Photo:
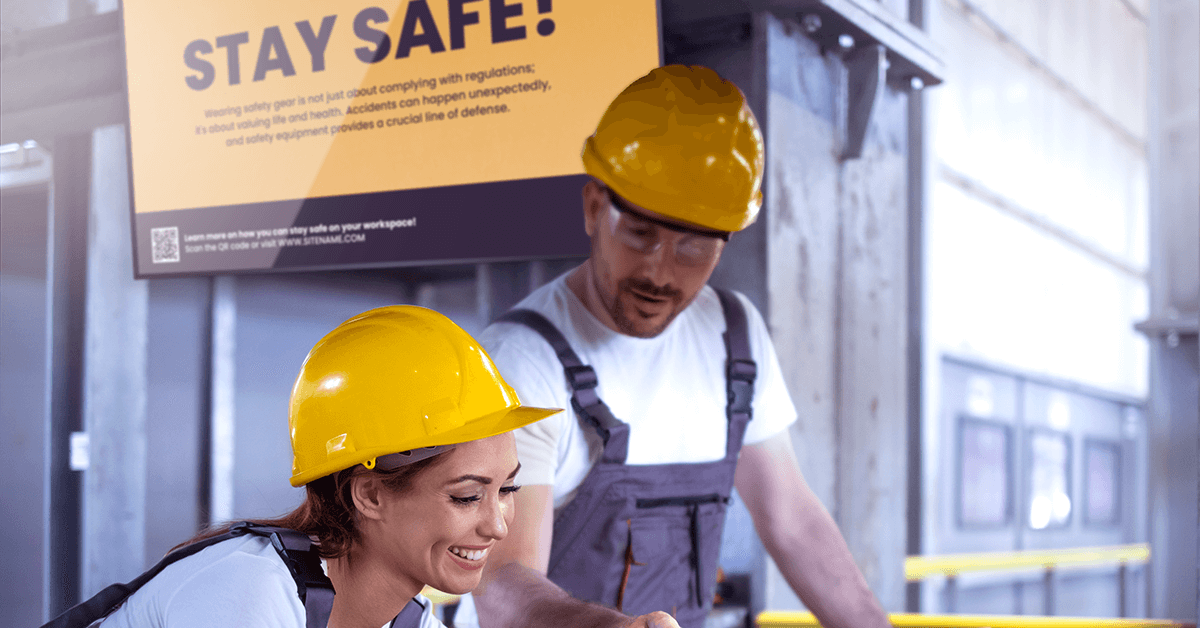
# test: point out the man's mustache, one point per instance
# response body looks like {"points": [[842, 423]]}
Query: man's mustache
{"points": [[645, 287]]}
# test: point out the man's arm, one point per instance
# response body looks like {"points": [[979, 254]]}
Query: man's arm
{"points": [[803, 538], [515, 592]]}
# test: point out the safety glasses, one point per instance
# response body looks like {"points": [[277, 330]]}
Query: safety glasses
{"points": [[642, 234]]}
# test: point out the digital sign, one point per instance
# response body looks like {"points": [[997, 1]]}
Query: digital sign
{"points": [[270, 135]]}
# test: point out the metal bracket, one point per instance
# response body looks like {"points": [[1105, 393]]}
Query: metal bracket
{"points": [[876, 49], [914, 61], [865, 73], [1172, 327]]}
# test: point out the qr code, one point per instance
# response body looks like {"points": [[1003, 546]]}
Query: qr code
{"points": [[165, 244]]}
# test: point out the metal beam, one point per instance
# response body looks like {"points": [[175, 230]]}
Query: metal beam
{"points": [[86, 56], [910, 52], [66, 118], [222, 404], [66, 272]]}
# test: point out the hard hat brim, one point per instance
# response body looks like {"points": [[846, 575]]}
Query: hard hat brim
{"points": [[486, 426], [498, 423]]}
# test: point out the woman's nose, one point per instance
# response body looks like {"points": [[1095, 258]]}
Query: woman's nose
{"points": [[495, 518]]}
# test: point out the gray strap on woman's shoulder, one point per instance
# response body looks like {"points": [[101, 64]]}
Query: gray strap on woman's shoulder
{"points": [[409, 616]]}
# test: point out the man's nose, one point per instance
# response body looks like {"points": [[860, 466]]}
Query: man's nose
{"points": [[660, 263]]}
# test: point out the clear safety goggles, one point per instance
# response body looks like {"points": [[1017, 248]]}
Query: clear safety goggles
{"points": [[643, 234]]}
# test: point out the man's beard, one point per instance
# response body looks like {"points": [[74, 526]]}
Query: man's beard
{"points": [[629, 325]]}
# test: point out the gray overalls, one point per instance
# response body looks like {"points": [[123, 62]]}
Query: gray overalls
{"points": [[644, 538]]}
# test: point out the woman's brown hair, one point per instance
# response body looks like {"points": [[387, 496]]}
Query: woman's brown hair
{"points": [[328, 509]]}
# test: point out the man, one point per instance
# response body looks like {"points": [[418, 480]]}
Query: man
{"points": [[675, 390]]}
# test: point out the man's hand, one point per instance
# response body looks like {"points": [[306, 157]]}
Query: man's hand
{"points": [[515, 592], [515, 596]]}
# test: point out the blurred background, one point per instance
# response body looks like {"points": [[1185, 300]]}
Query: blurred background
{"points": [[978, 258]]}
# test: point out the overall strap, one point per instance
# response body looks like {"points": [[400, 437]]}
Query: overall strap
{"points": [[409, 616], [315, 584], [107, 600], [304, 562], [583, 381], [740, 371]]}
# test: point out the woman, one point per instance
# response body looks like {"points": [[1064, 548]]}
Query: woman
{"points": [[400, 429]]}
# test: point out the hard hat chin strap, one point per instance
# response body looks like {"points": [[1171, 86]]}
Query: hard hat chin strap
{"points": [[400, 459]]}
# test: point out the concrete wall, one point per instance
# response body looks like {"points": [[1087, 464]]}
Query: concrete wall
{"points": [[837, 269]]}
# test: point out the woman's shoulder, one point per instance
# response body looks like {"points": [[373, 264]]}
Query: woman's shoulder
{"points": [[248, 554], [240, 581]]}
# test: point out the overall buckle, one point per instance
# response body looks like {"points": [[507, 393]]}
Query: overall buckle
{"points": [[741, 370], [581, 377]]}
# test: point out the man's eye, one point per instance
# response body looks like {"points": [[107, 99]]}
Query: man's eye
{"points": [[464, 500]]}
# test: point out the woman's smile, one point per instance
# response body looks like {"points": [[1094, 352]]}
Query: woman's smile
{"points": [[468, 559]]}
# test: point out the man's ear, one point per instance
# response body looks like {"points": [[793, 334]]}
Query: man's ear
{"points": [[595, 200], [366, 490]]}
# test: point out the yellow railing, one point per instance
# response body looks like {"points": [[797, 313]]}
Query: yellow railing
{"points": [[921, 567], [917, 568], [1049, 562], [794, 619], [438, 597]]}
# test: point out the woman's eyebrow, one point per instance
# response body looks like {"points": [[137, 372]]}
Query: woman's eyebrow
{"points": [[470, 478], [479, 478]]}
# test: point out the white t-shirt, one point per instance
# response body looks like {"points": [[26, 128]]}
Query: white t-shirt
{"points": [[241, 582], [670, 389]]}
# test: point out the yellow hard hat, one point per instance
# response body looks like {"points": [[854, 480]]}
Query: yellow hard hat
{"points": [[395, 379], [682, 142]]}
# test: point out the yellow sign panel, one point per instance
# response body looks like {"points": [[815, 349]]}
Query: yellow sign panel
{"points": [[268, 135], [264, 100]]}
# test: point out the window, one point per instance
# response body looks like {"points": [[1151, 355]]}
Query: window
{"points": [[984, 495], [1102, 477], [1050, 479]]}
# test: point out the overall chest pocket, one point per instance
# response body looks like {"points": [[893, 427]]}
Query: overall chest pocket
{"points": [[670, 562]]}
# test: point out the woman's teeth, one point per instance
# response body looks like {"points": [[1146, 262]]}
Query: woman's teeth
{"points": [[468, 554]]}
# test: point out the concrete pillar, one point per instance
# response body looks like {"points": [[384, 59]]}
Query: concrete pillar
{"points": [[804, 246], [1173, 430], [837, 280], [24, 376], [872, 362], [114, 391], [67, 285]]}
